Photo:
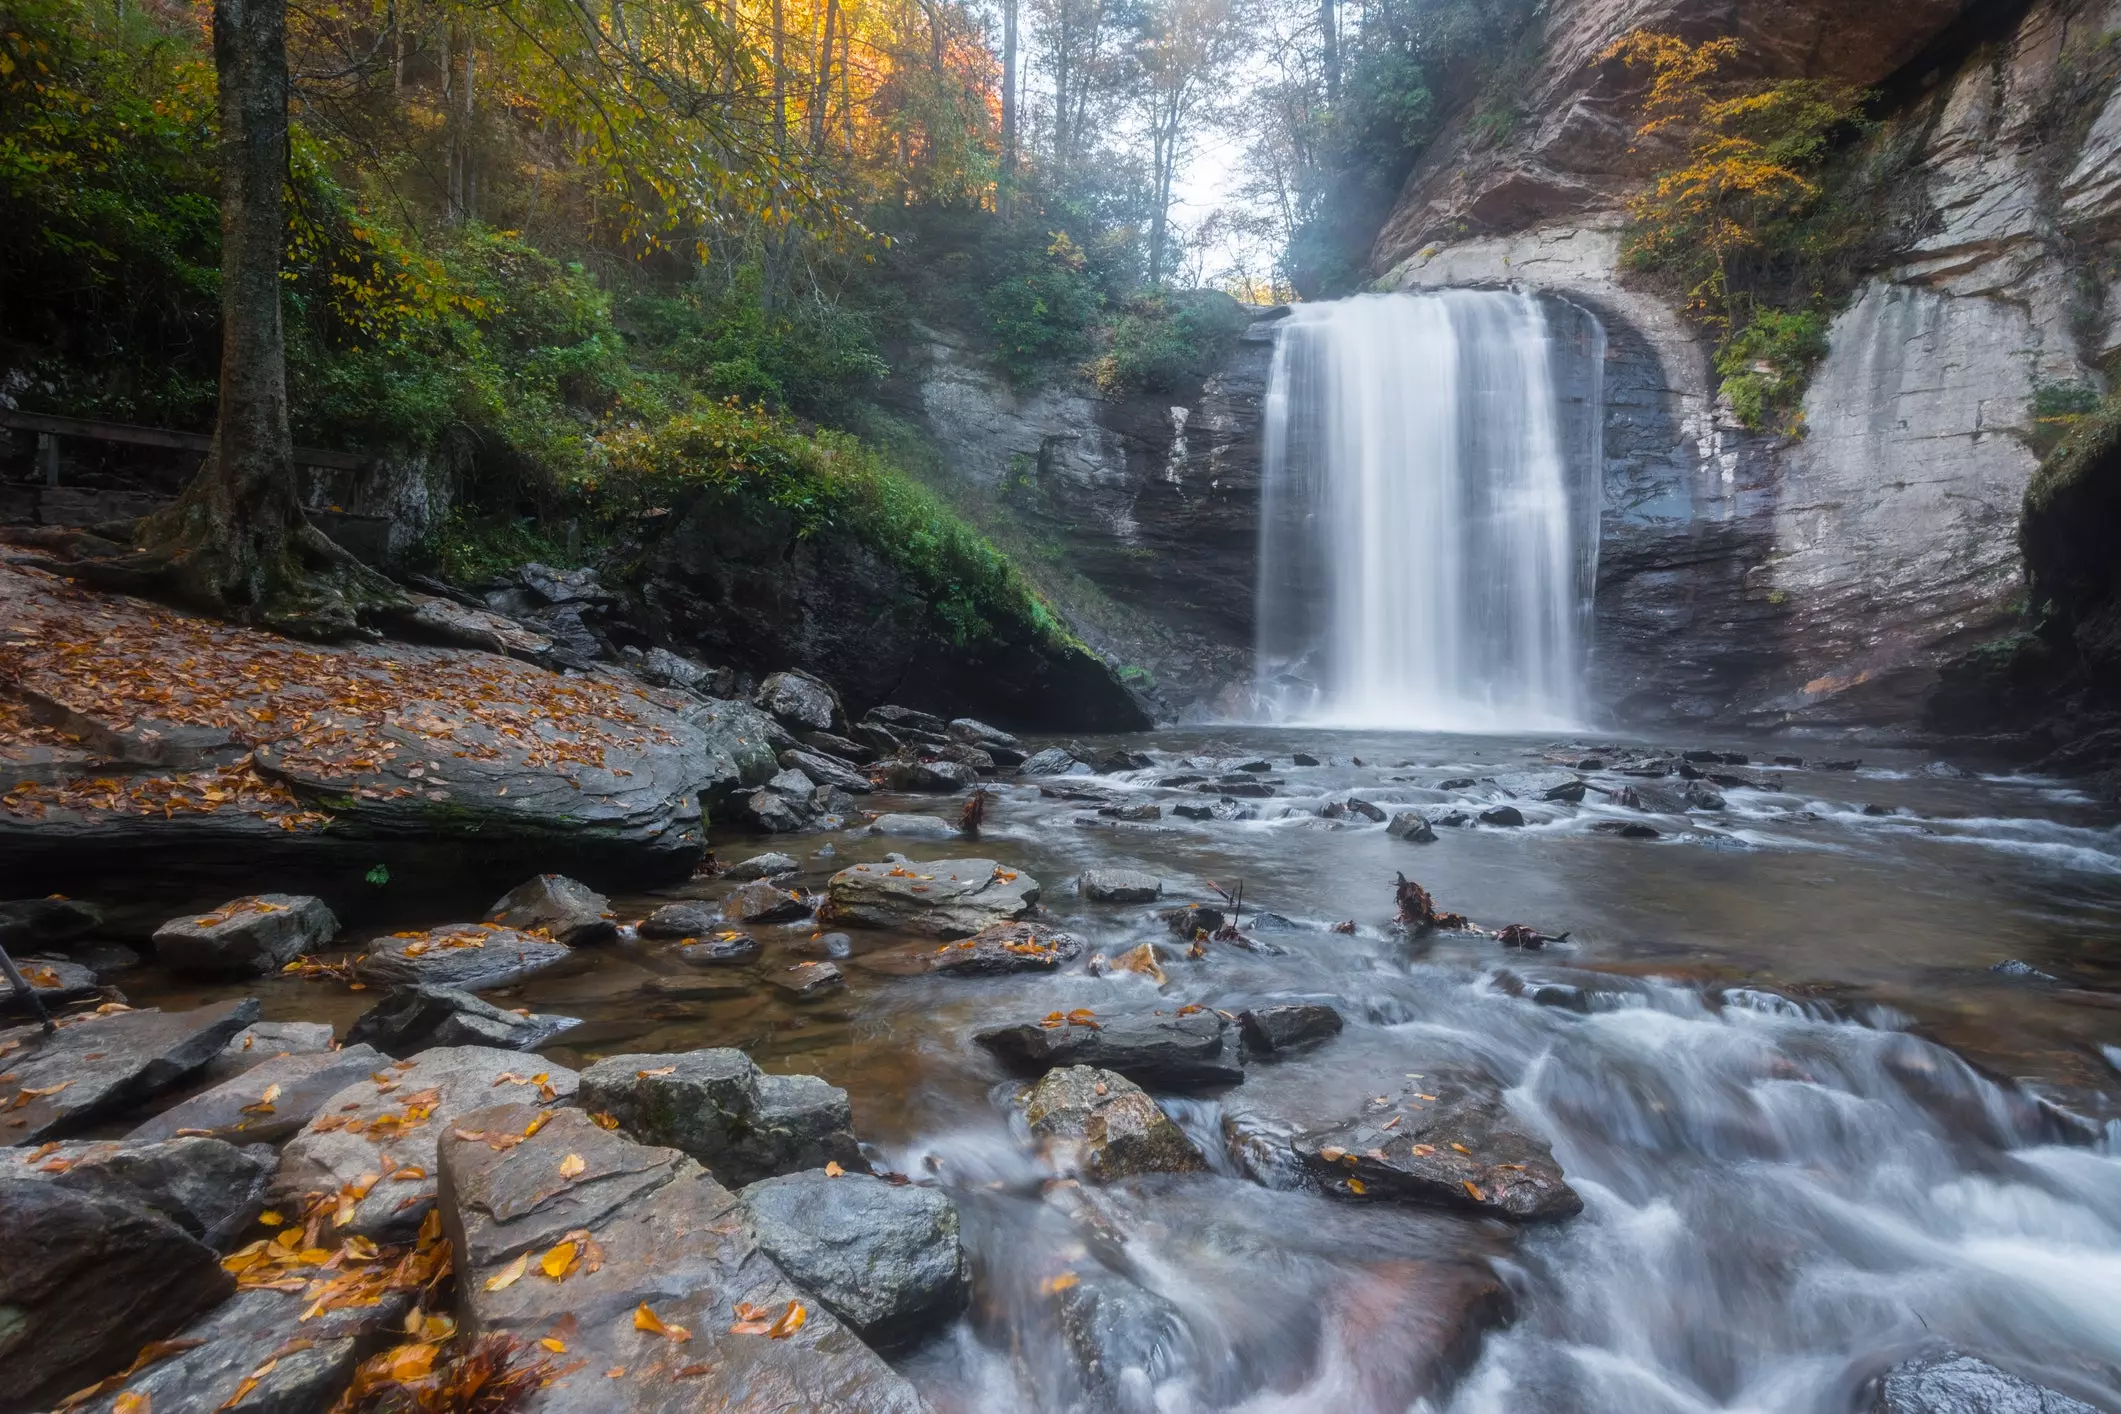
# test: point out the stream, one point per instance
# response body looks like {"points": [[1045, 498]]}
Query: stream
{"points": [[1814, 1131]]}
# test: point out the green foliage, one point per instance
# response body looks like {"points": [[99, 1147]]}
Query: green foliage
{"points": [[470, 548], [1043, 307], [1766, 364], [808, 354], [830, 483], [1160, 342]]}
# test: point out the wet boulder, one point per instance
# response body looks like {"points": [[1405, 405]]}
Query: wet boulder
{"points": [[884, 1257], [1502, 815], [305, 1363], [1625, 829], [1453, 1146], [32, 924], [1102, 1124], [469, 956], [87, 1280], [571, 912], [1195, 919], [823, 770], [415, 1018], [1701, 797], [807, 981], [727, 949], [840, 748], [783, 805], [763, 902], [1951, 1382], [97, 1067], [208, 1187], [771, 865], [246, 936], [799, 702], [908, 721], [1290, 1027], [1119, 886], [721, 1109], [1191, 1049], [1411, 826], [659, 1262], [1053, 761], [1123, 1337], [944, 898], [52, 980], [267, 1102], [1007, 947], [261, 1041], [399, 1113], [933, 777], [916, 827], [689, 919]]}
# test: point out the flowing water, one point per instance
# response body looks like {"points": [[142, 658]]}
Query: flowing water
{"points": [[1814, 1132], [1429, 531]]}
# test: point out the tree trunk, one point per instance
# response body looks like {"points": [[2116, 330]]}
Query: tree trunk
{"points": [[822, 102], [1008, 104], [1329, 46], [780, 77], [1065, 21]]}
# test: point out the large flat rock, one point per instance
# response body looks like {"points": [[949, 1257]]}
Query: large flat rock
{"points": [[884, 1256], [717, 1106], [97, 1066], [646, 1228], [268, 1102], [1193, 1050], [943, 898], [398, 1115], [252, 935], [208, 1187], [466, 956]]}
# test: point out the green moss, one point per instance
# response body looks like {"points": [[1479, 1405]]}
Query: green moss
{"points": [[1765, 366], [2072, 509]]}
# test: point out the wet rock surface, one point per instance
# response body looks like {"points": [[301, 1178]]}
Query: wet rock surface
{"points": [[208, 1187], [1119, 886], [1452, 1145], [261, 1041], [1198, 1049], [1102, 1124], [415, 1018], [884, 1257], [564, 909], [762, 902], [469, 956], [1288, 1028], [87, 1280], [100, 1065], [720, 1108], [943, 898], [1007, 947], [252, 935], [656, 1231], [400, 1114], [1957, 1383], [239, 1111]]}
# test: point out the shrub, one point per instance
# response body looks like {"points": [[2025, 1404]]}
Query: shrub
{"points": [[1042, 308], [1765, 366], [1160, 342]]}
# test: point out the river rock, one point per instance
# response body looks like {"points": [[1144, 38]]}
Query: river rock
{"points": [[807, 981], [33, 924], [1119, 886], [771, 865], [1287, 1028], [1625, 829], [306, 1363], [237, 1110], [470, 956], [401, 1112], [919, 827], [799, 702], [1954, 1383], [571, 912], [1700, 797], [929, 776], [1411, 826], [726, 949], [246, 936], [884, 1257], [689, 919], [1051, 762], [52, 980], [907, 719], [210, 1188], [724, 1111], [824, 771], [1106, 1126], [86, 1280], [1454, 1146], [944, 898], [1007, 947], [415, 1018], [667, 1236], [1195, 919], [1197, 1049], [1503, 815], [763, 902], [261, 1041], [1123, 1337], [840, 748], [100, 1065]]}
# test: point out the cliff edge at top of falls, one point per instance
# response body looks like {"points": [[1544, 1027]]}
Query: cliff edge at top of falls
{"points": [[1841, 578]]}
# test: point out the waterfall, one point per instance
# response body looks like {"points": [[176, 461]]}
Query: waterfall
{"points": [[1429, 531]]}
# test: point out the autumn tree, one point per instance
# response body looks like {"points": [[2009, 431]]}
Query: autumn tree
{"points": [[1187, 52]]}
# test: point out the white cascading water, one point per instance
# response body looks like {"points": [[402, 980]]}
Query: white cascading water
{"points": [[1422, 554]]}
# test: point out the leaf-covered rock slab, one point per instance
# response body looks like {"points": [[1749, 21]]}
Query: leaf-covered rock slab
{"points": [[268, 1102], [99, 1065], [467, 956], [1007, 947], [251, 935], [1454, 1145], [398, 1114], [1189, 1050], [943, 898], [643, 1266]]}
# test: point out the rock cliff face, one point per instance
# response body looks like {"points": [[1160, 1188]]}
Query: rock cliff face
{"points": [[1827, 580], [1138, 516]]}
